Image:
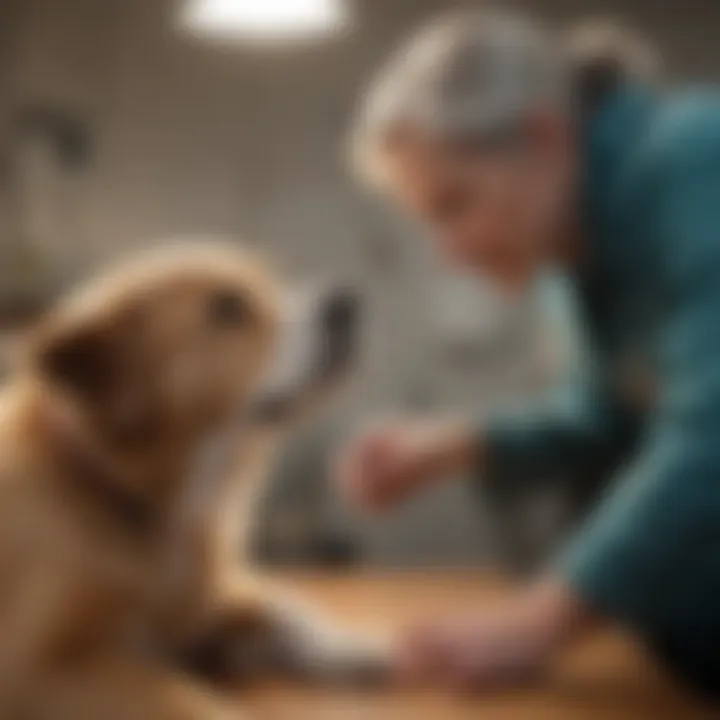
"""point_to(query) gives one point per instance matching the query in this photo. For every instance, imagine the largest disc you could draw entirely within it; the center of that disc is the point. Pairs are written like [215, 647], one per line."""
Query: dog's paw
[347, 660]
[315, 650]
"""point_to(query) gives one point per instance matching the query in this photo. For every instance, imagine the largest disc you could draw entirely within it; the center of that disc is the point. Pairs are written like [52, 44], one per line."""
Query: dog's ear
[90, 360]
[83, 360]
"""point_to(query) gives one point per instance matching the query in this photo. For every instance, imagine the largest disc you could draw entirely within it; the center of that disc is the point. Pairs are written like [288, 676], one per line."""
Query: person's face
[495, 212]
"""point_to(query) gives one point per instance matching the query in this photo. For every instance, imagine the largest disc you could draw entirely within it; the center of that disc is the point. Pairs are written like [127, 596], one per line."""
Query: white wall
[249, 142]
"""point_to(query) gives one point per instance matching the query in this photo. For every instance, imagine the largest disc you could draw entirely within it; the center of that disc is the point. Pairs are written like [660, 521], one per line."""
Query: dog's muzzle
[318, 344]
[339, 319]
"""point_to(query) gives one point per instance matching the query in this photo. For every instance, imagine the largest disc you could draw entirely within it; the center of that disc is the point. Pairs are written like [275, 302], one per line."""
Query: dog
[135, 433]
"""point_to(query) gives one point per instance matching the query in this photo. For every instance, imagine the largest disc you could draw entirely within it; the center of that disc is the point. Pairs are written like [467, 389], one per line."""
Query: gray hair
[477, 73]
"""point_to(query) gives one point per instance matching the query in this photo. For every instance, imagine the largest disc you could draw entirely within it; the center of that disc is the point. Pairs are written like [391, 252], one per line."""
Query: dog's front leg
[252, 629]
[203, 541]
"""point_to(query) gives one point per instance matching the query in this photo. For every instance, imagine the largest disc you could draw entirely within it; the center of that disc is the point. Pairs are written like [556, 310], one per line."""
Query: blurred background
[128, 122]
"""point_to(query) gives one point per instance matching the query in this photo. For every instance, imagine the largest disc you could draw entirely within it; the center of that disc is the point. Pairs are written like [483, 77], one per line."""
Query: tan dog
[132, 441]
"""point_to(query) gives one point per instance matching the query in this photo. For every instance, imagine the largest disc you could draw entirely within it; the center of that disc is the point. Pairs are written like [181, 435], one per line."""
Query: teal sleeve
[567, 426]
[665, 511]
[564, 431]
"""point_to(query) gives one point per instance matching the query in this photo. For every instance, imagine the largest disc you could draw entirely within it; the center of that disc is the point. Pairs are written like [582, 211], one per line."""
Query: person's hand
[510, 644]
[389, 462]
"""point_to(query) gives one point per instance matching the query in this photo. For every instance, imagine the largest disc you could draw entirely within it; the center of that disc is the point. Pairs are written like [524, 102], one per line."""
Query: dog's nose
[340, 316]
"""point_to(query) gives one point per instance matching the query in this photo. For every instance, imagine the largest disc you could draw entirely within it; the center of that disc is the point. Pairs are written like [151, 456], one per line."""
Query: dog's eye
[228, 308]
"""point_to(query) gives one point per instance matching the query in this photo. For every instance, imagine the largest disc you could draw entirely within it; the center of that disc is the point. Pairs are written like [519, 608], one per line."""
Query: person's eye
[228, 308]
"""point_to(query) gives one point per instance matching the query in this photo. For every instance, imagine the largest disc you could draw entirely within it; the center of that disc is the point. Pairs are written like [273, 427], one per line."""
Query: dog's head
[179, 344]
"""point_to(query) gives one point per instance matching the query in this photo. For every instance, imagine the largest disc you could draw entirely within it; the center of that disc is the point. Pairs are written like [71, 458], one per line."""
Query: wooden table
[607, 678]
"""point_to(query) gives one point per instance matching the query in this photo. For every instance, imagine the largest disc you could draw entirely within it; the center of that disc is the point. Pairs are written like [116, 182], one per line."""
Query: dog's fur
[129, 456]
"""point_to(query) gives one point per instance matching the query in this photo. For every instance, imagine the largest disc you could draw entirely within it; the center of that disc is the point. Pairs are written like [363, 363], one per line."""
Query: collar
[105, 490]
[92, 478]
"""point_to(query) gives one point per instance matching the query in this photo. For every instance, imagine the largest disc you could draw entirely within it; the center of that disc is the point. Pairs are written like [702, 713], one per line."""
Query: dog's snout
[340, 315]
[341, 310]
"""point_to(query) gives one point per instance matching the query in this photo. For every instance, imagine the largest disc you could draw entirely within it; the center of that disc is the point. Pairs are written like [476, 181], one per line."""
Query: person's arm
[567, 427]
[574, 421]
[646, 545]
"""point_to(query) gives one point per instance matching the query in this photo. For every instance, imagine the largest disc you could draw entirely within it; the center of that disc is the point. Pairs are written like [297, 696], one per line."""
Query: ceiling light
[264, 19]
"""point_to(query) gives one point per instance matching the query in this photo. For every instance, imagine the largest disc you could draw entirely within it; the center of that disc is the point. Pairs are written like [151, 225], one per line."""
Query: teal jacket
[650, 296]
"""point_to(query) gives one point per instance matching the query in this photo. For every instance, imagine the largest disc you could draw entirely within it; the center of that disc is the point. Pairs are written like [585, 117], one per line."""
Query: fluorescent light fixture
[264, 19]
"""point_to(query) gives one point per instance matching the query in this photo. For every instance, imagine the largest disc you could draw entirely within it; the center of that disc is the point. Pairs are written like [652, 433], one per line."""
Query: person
[519, 150]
